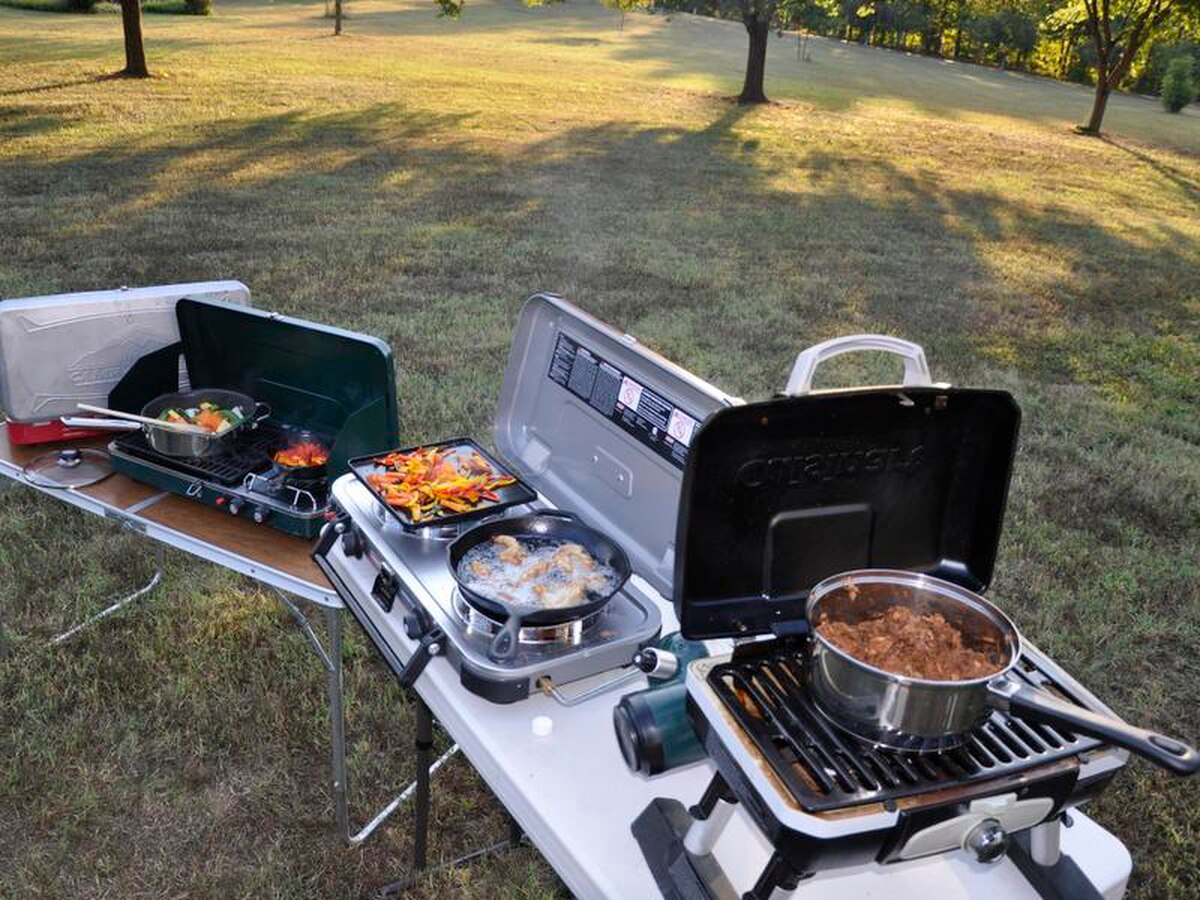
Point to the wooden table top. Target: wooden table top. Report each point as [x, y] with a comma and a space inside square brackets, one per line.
[257, 543]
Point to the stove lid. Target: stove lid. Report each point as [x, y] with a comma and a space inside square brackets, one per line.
[601, 425]
[780, 494]
[331, 381]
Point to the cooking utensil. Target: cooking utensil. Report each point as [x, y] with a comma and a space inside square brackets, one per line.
[546, 525]
[511, 495]
[916, 714]
[184, 444]
[182, 427]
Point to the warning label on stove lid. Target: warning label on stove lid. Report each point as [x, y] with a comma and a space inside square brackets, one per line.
[638, 410]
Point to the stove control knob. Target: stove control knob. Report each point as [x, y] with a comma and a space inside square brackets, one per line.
[988, 841]
[259, 514]
[414, 627]
[235, 507]
[352, 543]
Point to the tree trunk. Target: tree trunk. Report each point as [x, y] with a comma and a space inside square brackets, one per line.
[1098, 105]
[756, 62]
[337, 17]
[135, 52]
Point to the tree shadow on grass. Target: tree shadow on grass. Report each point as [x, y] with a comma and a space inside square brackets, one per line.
[57, 85]
[1187, 184]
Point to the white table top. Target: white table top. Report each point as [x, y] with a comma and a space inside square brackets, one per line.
[575, 798]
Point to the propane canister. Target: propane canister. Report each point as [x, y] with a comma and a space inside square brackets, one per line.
[653, 728]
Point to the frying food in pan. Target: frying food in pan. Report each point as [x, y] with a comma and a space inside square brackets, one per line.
[533, 574]
[916, 645]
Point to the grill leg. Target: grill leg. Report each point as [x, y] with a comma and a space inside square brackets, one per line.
[778, 875]
[717, 790]
[424, 743]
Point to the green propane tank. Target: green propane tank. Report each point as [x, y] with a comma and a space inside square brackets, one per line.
[653, 729]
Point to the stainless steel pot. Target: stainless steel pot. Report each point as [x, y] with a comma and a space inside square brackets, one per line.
[183, 444]
[916, 714]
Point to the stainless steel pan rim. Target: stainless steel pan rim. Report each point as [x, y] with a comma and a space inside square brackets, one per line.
[919, 581]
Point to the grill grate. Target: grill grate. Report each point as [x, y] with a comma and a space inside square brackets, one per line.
[824, 768]
[251, 452]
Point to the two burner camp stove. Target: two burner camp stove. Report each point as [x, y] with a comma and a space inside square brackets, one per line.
[597, 425]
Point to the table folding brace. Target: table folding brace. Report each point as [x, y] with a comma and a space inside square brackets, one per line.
[331, 659]
[145, 589]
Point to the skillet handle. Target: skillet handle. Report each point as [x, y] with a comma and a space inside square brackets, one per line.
[504, 644]
[1039, 706]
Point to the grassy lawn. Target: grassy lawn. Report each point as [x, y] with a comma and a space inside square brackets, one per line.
[416, 179]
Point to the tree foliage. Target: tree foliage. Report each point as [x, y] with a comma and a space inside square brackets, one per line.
[1179, 85]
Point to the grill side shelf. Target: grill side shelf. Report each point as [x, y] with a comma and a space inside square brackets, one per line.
[825, 769]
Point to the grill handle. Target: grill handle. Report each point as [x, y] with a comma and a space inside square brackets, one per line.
[1168, 752]
[916, 369]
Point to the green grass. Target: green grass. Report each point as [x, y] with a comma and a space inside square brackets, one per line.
[416, 179]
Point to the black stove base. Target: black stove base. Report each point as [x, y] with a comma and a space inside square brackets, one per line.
[659, 831]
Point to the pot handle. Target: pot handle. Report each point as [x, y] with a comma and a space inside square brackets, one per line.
[1039, 706]
[916, 369]
[261, 411]
[504, 644]
[106, 424]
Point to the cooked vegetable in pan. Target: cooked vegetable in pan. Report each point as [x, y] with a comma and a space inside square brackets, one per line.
[206, 415]
[430, 482]
[306, 454]
[535, 573]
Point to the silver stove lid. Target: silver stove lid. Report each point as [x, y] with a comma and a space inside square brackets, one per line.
[599, 425]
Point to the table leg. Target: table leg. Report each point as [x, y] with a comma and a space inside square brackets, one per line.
[424, 744]
[333, 621]
[332, 661]
[120, 604]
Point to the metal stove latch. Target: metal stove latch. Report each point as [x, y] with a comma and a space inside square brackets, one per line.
[195, 489]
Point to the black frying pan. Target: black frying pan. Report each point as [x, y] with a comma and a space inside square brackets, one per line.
[547, 525]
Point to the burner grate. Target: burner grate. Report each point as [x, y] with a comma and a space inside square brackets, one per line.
[251, 452]
[825, 768]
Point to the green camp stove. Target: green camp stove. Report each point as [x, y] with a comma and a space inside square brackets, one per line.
[320, 384]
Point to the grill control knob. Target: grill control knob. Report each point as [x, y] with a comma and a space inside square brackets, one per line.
[352, 542]
[235, 507]
[988, 841]
[259, 514]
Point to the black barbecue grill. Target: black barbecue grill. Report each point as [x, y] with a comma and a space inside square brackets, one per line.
[779, 495]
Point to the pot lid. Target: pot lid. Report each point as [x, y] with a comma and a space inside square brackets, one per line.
[780, 494]
[69, 468]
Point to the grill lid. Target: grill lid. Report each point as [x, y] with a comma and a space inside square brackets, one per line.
[780, 494]
[601, 426]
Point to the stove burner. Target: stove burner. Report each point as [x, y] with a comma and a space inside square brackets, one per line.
[444, 533]
[305, 494]
[568, 634]
[251, 452]
[823, 767]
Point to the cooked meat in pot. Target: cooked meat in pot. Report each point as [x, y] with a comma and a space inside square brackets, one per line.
[915, 645]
